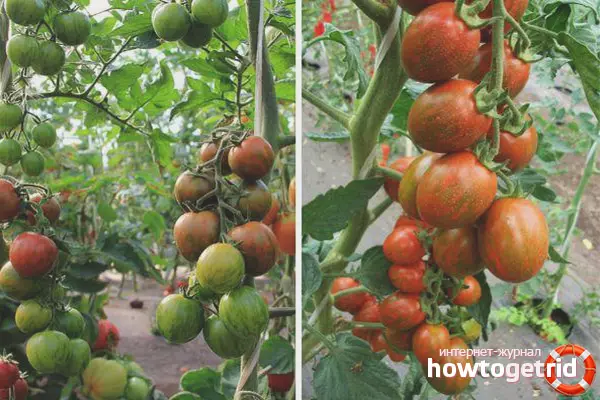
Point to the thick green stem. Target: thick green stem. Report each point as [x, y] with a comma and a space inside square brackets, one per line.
[576, 204]
[325, 107]
[346, 292]
[376, 10]
[497, 69]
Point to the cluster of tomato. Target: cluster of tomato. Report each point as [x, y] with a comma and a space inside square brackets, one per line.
[191, 23]
[328, 7]
[13, 384]
[226, 232]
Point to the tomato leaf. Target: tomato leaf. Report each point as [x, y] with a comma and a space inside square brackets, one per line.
[204, 382]
[413, 381]
[230, 376]
[329, 213]
[311, 276]
[279, 354]
[373, 272]
[352, 371]
[338, 137]
[481, 310]
[556, 257]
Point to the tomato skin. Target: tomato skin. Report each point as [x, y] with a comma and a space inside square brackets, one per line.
[517, 150]
[401, 340]
[280, 383]
[171, 22]
[50, 209]
[516, 71]
[48, 351]
[33, 255]
[455, 384]
[351, 303]
[137, 389]
[69, 322]
[220, 268]
[244, 312]
[414, 7]
[404, 220]
[108, 336]
[271, 216]
[513, 239]
[194, 232]
[44, 135]
[179, 319]
[208, 151]
[15, 286]
[438, 44]
[407, 190]
[9, 374]
[79, 358]
[32, 317]
[403, 246]
[391, 185]
[51, 59]
[252, 159]
[456, 190]
[10, 202]
[408, 278]
[456, 252]
[377, 342]
[210, 12]
[256, 201]
[469, 295]
[224, 343]
[104, 379]
[370, 312]
[292, 193]
[20, 391]
[197, 36]
[516, 8]
[191, 187]
[394, 356]
[258, 245]
[285, 232]
[401, 311]
[72, 28]
[428, 340]
[445, 118]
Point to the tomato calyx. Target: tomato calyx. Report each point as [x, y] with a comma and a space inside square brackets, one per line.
[515, 120]
[469, 13]
[487, 100]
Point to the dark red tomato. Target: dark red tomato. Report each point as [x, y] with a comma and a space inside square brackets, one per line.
[10, 202]
[9, 373]
[516, 8]
[408, 278]
[32, 254]
[404, 220]
[194, 232]
[438, 44]
[391, 185]
[457, 383]
[516, 71]
[256, 200]
[271, 216]
[469, 294]
[414, 7]
[51, 208]
[456, 190]
[191, 187]
[351, 303]
[513, 239]
[395, 356]
[517, 150]
[456, 252]
[378, 342]
[20, 391]
[285, 232]
[403, 246]
[258, 245]
[108, 336]
[407, 190]
[369, 313]
[208, 152]
[428, 340]
[280, 383]
[445, 118]
[370, 300]
[252, 159]
[401, 311]
[399, 340]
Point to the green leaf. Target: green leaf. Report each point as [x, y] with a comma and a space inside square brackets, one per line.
[352, 371]
[88, 270]
[329, 213]
[373, 272]
[277, 353]
[204, 382]
[230, 376]
[481, 310]
[339, 137]
[106, 212]
[413, 381]
[133, 25]
[311, 276]
[156, 223]
[84, 285]
[556, 257]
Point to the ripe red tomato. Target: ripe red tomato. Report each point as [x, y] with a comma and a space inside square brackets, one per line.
[456, 252]
[399, 340]
[20, 391]
[369, 313]
[517, 150]
[378, 342]
[516, 8]
[457, 383]
[108, 336]
[408, 278]
[194, 232]
[456, 190]
[252, 159]
[438, 44]
[208, 151]
[271, 216]
[280, 383]
[9, 373]
[516, 71]
[33, 255]
[10, 202]
[403, 246]
[404, 220]
[351, 303]
[51, 208]
[394, 356]
[191, 187]
[285, 232]
[414, 7]
[445, 118]
[513, 239]
[391, 185]
[407, 190]
[401, 311]
[469, 295]
[258, 245]
[428, 340]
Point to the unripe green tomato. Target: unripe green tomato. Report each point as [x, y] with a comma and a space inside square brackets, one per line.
[69, 322]
[210, 12]
[179, 319]
[25, 12]
[33, 163]
[11, 116]
[51, 59]
[220, 268]
[48, 351]
[171, 21]
[32, 317]
[44, 135]
[10, 151]
[79, 358]
[198, 35]
[104, 379]
[22, 50]
[244, 312]
[72, 28]
[137, 389]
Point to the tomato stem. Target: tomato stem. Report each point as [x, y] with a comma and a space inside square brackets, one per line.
[346, 292]
[331, 111]
[390, 172]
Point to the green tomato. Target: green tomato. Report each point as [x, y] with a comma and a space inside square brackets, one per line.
[244, 312]
[48, 352]
[32, 317]
[44, 135]
[51, 59]
[11, 116]
[224, 343]
[72, 28]
[33, 163]
[179, 319]
[210, 12]
[220, 268]
[137, 389]
[104, 379]
[199, 35]
[22, 50]
[10, 152]
[69, 322]
[25, 12]
[16, 287]
[79, 358]
[171, 21]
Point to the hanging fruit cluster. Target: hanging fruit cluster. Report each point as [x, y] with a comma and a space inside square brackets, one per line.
[189, 23]
[225, 232]
[13, 383]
